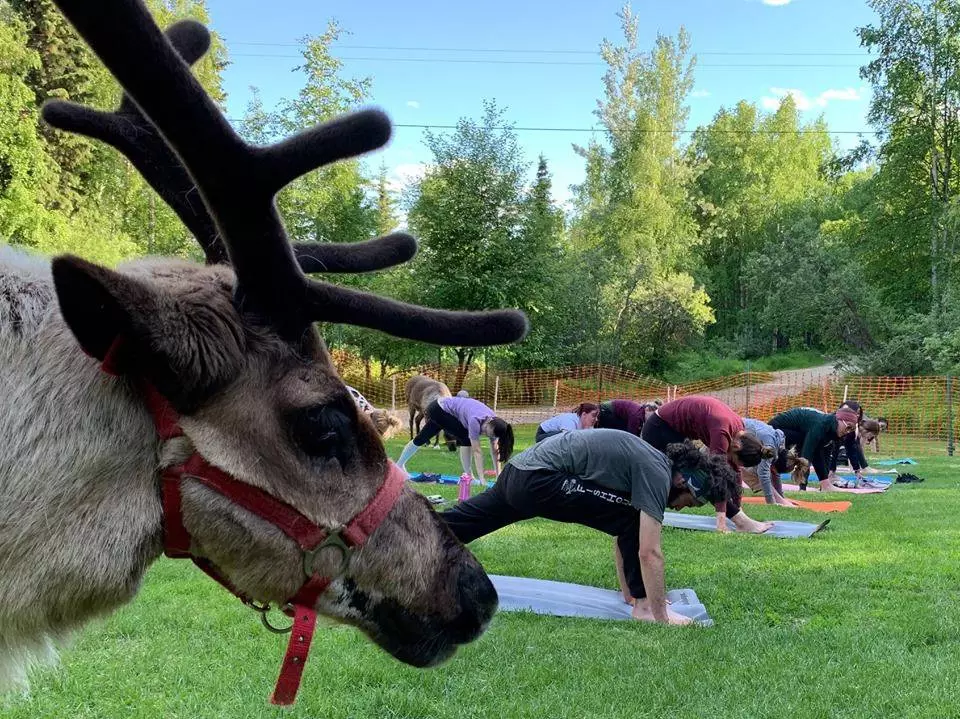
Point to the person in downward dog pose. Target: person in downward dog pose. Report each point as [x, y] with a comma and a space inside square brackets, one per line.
[607, 480]
[814, 432]
[583, 416]
[466, 419]
[712, 422]
[625, 414]
[766, 475]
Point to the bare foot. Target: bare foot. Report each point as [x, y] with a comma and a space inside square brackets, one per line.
[784, 502]
[641, 612]
[827, 486]
[752, 526]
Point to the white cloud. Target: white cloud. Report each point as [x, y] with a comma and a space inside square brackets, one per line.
[700, 93]
[803, 102]
[776, 2]
[414, 104]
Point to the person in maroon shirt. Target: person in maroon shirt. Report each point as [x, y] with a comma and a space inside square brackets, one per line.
[721, 429]
[625, 414]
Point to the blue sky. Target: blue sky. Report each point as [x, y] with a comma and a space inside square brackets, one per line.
[808, 47]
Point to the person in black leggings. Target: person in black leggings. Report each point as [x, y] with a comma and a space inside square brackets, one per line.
[608, 480]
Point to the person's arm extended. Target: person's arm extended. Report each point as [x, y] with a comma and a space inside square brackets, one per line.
[477, 451]
[763, 473]
[851, 441]
[651, 567]
[494, 458]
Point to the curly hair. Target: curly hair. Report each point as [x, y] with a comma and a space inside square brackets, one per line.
[722, 483]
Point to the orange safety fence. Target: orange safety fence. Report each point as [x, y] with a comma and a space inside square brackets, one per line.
[920, 420]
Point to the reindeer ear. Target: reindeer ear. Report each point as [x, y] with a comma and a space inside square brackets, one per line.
[186, 353]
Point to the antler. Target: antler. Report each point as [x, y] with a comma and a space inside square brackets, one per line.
[131, 133]
[238, 183]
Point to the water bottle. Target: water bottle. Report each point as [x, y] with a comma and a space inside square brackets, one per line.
[464, 487]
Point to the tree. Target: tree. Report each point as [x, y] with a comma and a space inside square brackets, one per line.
[755, 169]
[468, 212]
[634, 221]
[916, 103]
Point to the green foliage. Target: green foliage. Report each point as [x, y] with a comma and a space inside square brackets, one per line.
[916, 93]
[634, 224]
[755, 171]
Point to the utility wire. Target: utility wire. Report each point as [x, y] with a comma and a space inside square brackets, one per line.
[808, 53]
[488, 61]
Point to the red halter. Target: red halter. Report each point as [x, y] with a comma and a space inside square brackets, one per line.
[311, 538]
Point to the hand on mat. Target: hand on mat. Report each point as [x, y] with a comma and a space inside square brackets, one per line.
[784, 502]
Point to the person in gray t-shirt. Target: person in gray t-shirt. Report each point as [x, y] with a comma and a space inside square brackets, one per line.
[608, 480]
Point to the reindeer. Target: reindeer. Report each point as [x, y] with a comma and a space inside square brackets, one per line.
[421, 391]
[167, 407]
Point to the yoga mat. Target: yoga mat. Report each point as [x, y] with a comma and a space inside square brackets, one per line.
[841, 506]
[862, 490]
[709, 524]
[444, 479]
[888, 462]
[561, 599]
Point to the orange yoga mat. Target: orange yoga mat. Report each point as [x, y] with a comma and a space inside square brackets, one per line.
[814, 506]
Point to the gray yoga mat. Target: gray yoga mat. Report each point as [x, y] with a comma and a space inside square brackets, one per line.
[709, 524]
[561, 599]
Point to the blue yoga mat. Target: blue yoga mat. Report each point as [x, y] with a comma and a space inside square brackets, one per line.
[427, 477]
[891, 462]
[561, 599]
[706, 523]
[879, 479]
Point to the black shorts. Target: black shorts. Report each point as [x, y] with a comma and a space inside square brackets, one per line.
[439, 420]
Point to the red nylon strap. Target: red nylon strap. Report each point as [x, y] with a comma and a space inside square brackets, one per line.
[284, 517]
[176, 538]
[359, 529]
[298, 648]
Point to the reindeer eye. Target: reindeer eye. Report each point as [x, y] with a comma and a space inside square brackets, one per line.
[324, 432]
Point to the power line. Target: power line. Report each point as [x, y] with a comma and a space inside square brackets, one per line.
[488, 61]
[545, 51]
[683, 131]
[652, 130]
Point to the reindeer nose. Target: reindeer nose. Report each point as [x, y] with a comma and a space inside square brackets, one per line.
[477, 600]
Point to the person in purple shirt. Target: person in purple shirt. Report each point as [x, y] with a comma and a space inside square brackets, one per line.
[467, 420]
[625, 414]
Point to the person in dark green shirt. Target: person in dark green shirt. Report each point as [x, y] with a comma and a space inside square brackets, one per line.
[611, 481]
[813, 433]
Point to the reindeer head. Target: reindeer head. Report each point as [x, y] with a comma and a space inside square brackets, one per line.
[232, 346]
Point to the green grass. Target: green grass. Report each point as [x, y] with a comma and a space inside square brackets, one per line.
[861, 620]
[697, 366]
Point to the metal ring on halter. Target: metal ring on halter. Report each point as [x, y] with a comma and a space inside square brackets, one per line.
[335, 541]
[266, 622]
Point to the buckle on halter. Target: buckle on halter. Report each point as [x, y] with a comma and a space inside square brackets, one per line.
[335, 540]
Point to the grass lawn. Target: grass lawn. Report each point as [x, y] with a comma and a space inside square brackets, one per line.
[862, 620]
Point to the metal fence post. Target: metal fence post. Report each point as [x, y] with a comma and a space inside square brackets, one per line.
[496, 393]
[393, 393]
[949, 415]
[556, 391]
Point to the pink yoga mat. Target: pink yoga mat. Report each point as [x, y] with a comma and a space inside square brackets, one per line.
[862, 490]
